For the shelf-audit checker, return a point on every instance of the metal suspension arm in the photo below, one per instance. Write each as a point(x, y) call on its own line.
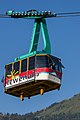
point(47, 46)
point(35, 36)
point(40, 23)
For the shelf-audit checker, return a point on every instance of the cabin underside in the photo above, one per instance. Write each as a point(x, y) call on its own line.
point(32, 88)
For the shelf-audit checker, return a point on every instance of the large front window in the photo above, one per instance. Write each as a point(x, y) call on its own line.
point(41, 61)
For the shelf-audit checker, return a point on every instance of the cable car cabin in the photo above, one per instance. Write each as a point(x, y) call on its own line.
point(33, 75)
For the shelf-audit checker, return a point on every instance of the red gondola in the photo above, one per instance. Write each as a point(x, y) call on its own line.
point(38, 71)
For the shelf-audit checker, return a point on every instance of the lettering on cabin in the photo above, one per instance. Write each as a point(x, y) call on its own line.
point(21, 79)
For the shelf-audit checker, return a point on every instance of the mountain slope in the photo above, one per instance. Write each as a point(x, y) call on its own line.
point(66, 110)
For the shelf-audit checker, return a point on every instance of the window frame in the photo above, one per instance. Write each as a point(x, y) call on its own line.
point(29, 62)
point(6, 69)
point(46, 65)
point(18, 66)
point(26, 65)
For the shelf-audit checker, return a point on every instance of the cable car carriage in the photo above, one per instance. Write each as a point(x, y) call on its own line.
point(36, 72)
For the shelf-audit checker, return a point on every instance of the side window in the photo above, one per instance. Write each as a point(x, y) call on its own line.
point(32, 63)
point(53, 67)
point(60, 69)
point(24, 65)
point(56, 67)
point(50, 62)
point(16, 66)
point(8, 69)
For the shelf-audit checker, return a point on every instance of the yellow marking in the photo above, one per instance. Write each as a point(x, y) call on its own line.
point(13, 73)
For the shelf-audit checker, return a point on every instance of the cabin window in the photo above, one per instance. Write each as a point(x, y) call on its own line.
point(24, 65)
point(41, 61)
point(8, 69)
point(54, 64)
point(58, 68)
point(53, 67)
point(32, 63)
point(16, 66)
point(51, 62)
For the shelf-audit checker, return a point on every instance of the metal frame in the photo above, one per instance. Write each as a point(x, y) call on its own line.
point(40, 24)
